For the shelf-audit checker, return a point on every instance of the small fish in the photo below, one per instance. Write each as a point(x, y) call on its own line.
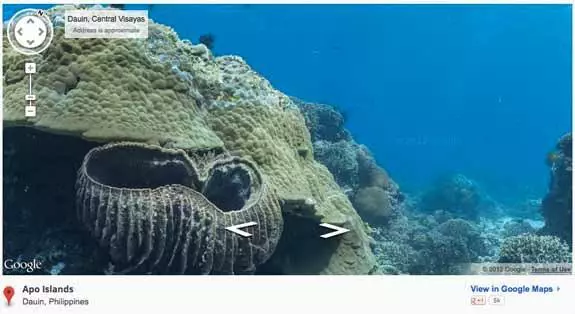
point(208, 40)
point(552, 157)
point(118, 6)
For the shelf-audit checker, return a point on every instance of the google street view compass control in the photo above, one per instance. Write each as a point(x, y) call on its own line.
point(30, 31)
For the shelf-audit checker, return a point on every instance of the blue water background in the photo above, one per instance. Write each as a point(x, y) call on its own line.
point(482, 90)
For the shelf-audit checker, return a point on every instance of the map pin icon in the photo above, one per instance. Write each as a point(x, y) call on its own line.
point(8, 293)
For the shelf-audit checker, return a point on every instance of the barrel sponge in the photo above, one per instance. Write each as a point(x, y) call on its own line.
point(107, 90)
point(276, 138)
point(157, 210)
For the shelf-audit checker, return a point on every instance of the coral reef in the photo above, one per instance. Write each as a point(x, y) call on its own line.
point(447, 246)
point(404, 242)
point(458, 195)
point(168, 93)
point(517, 227)
point(278, 141)
point(395, 258)
point(373, 193)
point(324, 122)
point(109, 89)
point(557, 206)
point(374, 180)
point(453, 223)
point(370, 174)
point(530, 248)
point(422, 244)
point(173, 144)
point(373, 203)
point(340, 158)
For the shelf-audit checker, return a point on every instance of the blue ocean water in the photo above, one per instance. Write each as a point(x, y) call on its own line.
point(483, 90)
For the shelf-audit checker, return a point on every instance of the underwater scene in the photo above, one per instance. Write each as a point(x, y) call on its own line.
point(288, 140)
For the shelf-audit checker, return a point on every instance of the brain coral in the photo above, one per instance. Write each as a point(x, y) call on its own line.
point(169, 93)
point(373, 202)
point(108, 90)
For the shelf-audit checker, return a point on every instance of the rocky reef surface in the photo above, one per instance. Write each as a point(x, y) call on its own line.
point(557, 206)
point(165, 94)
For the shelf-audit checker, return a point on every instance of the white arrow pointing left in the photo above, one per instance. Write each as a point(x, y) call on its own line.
point(236, 228)
point(338, 230)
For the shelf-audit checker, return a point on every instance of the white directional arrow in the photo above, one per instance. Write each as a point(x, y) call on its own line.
point(338, 230)
point(236, 228)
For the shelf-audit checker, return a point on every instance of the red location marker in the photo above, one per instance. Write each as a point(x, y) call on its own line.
point(8, 293)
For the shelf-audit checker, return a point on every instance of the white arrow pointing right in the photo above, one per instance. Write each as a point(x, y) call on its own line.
point(338, 230)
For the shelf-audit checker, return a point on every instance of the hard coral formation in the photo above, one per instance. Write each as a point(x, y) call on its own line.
point(373, 203)
point(168, 93)
point(458, 195)
point(110, 89)
point(557, 206)
point(340, 158)
point(371, 174)
point(425, 245)
point(465, 231)
point(276, 138)
point(447, 246)
point(395, 258)
point(324, 122)
point(529, 248)
point(368, 186)
point(517, 227)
